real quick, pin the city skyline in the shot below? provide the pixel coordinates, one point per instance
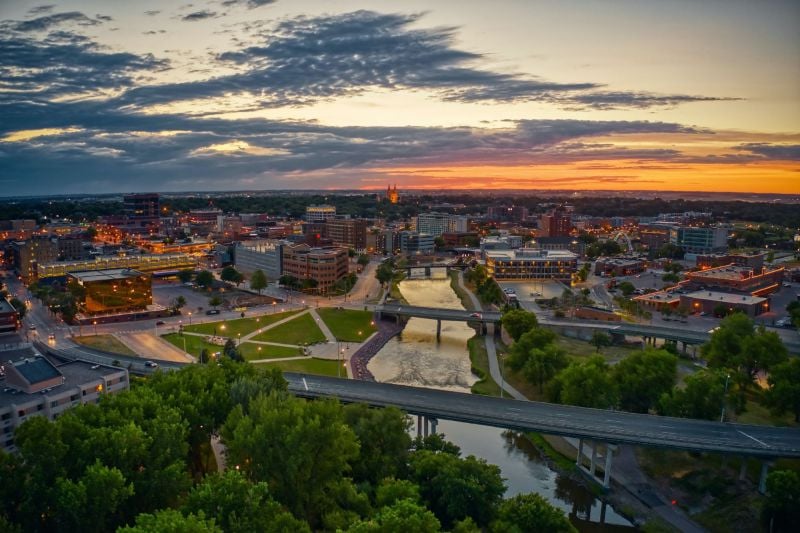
(260, 94)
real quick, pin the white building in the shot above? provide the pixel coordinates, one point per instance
(437, 223)
(320, 213)
(263, 255)
(529, 263)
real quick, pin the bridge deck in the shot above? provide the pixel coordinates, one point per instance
(607, 426)
(456, 315)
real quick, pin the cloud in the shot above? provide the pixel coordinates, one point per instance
(603, 100)
(249, 3)
(38, 10)
(199, 15)
(783, 152)
(152, 12)
(48, 21)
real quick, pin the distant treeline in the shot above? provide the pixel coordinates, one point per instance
(370, 206)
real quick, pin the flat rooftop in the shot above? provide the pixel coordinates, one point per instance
(6, 307)
(533, 254)
(111, 274)
(726, 297)
(658, 297)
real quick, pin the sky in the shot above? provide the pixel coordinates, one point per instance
(674, 95)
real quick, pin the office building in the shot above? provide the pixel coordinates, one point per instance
(436, 224)
(556, 223)
(619, 266)
(320, 213)
(324, 265)
(710, 301)
(142, 212)
(348, 232)
(118, 290)
(28, 255)
(9, 318)
(733, 278)
(156, 264)
(264, 255)
(415, 243)
(527, 263)
(34, 385)
(699, 240)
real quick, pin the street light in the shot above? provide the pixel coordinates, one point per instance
(724, 397)
(94, 323)
(190, 318)
(502, 369)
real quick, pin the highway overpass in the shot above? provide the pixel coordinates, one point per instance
(615, 427)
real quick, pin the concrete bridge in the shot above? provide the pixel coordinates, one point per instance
(487, 319)
(429, 267)
(595, 425)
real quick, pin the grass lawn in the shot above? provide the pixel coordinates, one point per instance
(194, 344)
(480, 367)
(252, 351)
(107, 343)
(346, 323)
(238, 325)
(579, 348)
(756, 413)
(300, 330)
(466, 301)
(311, 365)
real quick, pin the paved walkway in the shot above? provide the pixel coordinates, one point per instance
(323, 326)
(491, 348)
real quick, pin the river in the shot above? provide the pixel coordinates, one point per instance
(416, 358)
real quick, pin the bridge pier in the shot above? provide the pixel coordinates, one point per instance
(607, 475)
(419, 425)
(438, 330)
(427, 272)
(434, 423)
(594, 457)
(762, 480)
(743, 469)
(579, 460)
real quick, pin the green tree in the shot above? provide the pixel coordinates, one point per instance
(781, 510)
(92, 503)
(239, 506)
(384, 442)
(186, 275)
(627, 288)
(204, 279)
(455, 488)
(642, 378)
(528, 513)
(351, 253)
(784, 388)
(178, 303)
(600, 339)
(385, 272)
(670, 277)
(19, 306)
(215, 301)
(794, 312)
(586, 383)
(91, 233)
(232, 351)
(301, 449)
(439, 243)
(171, 521)
(518, 321)
(536, 338)
(258, 281)
(363, 260)
(231, 275)
(403, 516)
(391, 490)
(583, 273)
(701, 397)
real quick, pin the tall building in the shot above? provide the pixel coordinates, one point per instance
(557, 223)
(264, 255)
(528, 263)
(699, 240)
(392, 195)
(349, 232)
(320, 213)
(324, 265)
(142, 212)
(415, 243)
(437, 223)
(28, 255)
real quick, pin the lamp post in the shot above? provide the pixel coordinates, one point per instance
(190, 318)
(94, 323)
(502, 369)
(724, 397)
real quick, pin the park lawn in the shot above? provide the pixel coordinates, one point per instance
(309, 365)
(194, 344)
(250, 351)
(107, 343)
(300, 330)
(579, 348)
(345, 324)
(238, 325)
(480, 367)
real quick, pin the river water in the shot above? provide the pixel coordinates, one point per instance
(416, 358)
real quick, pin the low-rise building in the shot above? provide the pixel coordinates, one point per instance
(34, 385)
(414, 243)
(502, 242)
(264, 255)
(324, 265)
(710, 301)
(529, 263)
(347, 232)
(9, 317)
(699, 239)
(116, 290)
(619, 266)
(733, 278)
(320, 213)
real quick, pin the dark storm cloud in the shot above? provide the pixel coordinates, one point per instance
(783, 152)
(603, 100)
(249, 3)
(48, 21)
(199, 15)
(63, 63)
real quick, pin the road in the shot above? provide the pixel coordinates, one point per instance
(606, 426)
(457, 315)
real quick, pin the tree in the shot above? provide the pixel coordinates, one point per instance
(384, 442)
(363, 260)
(231, 275)
(185, 276)
(289, 281)
(670, 277)
(600, 339)
(794, 312)
(518, 321)
(215, 301)
(543, 364)
(171, 521)
(178, 303)
(301, 449)
(19, 306)
(258, 281)
(91, 233)
(385, 272)
(204, 356)
(239, 506)
(784, 388)
(439, 242)
(587, 383)
(781, 510)
(403, 516)
(642, 378)
(530, 512)
(627, 288)
(351, 253)
(701, 397)
(455, 488)
(230, 350)
(583, 273)
(204, 279)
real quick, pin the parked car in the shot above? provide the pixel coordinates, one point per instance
(159, 322)
(151, 364)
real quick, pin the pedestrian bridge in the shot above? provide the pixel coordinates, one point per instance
(436, 313)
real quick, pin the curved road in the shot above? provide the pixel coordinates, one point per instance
(608, 426)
